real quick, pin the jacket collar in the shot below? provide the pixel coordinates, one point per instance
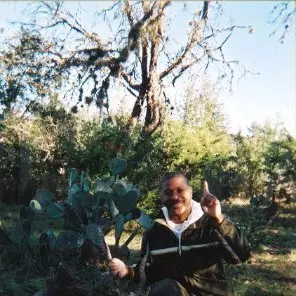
(196, 214)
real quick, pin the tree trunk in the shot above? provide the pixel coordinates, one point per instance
(150, 85)
(152, 119)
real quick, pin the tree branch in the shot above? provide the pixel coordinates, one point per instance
(195, 37)
(127, 79)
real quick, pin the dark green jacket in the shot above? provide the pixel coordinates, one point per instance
(196, 261)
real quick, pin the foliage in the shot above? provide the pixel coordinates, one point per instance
(200, 151)
(35, 149)
(55, 141)
(10, 91)
(280, 166)
(250, 155)
(100, 141)
(202, 109)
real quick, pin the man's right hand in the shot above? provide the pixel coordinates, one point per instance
(119, 269)
(211, 205)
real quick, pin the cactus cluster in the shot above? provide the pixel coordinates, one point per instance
(44, 203)
(112, 201)
(89, 210)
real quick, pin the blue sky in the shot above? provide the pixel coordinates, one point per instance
(271, 95)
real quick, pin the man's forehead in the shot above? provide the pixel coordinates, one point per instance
(175, 181)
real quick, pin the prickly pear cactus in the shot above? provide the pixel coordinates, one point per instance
(120, 189)
(77, 199)
(113, 210)
(44, 197)
(86, 207)
(144, 220)
(35, 206)
(76, 187)
(72, 177)
(27, 213)
(72, 190)
(95, 234)
(86, 184)
(117, 166)
(125, 203)
(39, 205)
(21, 232)
(70, 240)
(119, 226)
(101, 186)
(72, 220)
(55, 210)
(90, 201)
(120, 220)
(51, 239)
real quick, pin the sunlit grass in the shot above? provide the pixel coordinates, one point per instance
(271, 270)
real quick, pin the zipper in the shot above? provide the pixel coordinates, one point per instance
(180, 260)
(180, 245)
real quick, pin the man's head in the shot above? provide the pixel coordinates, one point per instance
(176, 194)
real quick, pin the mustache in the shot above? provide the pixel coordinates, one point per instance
(171, 202)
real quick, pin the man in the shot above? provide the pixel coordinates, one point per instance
(187, 244)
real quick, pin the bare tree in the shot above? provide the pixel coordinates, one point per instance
(283, 17)
(137, 54)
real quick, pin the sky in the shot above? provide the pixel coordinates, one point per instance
(269, 95)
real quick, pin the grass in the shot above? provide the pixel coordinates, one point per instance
(270, 270)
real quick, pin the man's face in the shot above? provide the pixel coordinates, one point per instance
(177, 196)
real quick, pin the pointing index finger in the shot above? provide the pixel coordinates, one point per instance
(205, 187)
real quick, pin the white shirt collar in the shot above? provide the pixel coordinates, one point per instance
(196, 213)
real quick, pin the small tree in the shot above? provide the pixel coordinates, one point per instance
(280, 163)
(251, 157)
(202, 108)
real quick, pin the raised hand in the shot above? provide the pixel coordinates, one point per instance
(210, 204)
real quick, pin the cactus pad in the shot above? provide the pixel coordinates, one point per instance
(117, 166)
(44, 197)
(128, 202)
